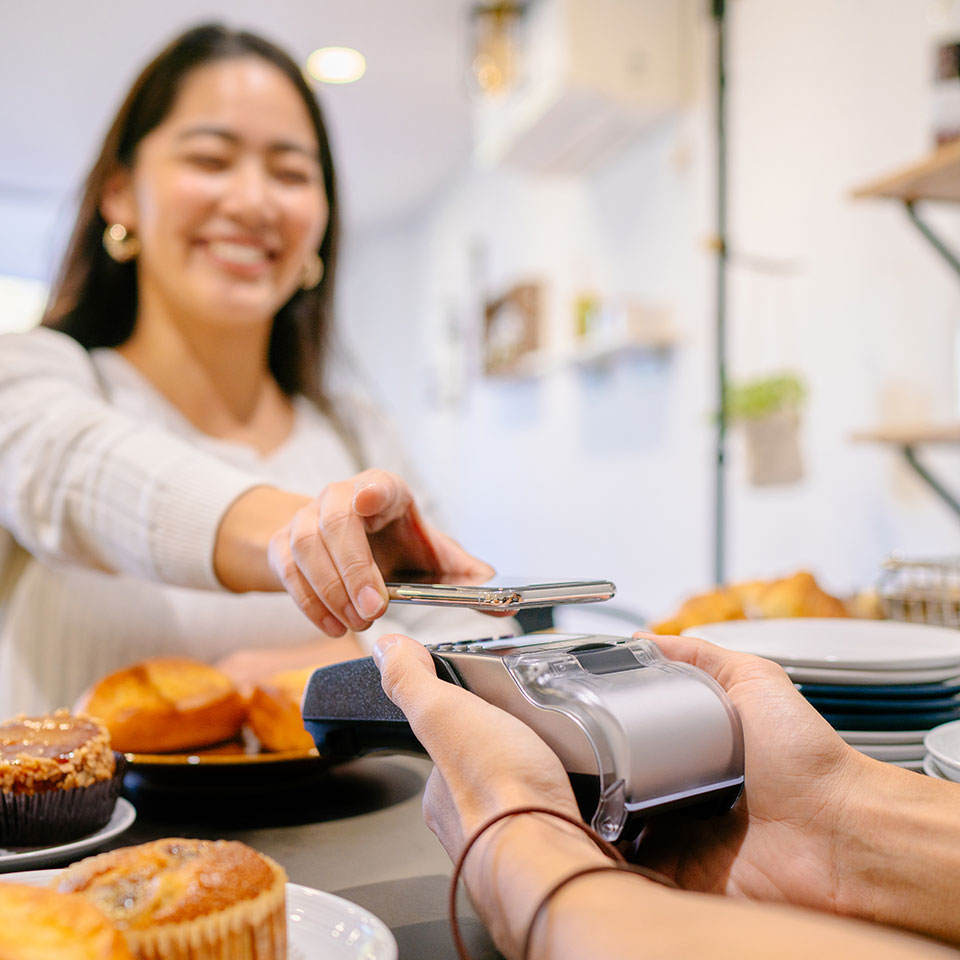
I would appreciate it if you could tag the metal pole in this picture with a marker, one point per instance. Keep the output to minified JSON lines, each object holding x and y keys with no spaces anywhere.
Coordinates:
{"x":720,"y":502}
{"x":937,"y":243}
{"x":938,"y":488}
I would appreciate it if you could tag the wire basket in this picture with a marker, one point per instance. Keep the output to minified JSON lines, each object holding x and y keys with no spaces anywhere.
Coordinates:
{"x":921,"y":591}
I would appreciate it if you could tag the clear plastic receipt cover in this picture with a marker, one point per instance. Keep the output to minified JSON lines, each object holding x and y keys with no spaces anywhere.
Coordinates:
{"x":664,"y":729}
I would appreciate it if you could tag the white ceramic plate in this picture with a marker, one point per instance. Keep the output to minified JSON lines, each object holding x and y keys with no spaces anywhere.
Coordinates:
{"x":23,"y":857}
{"x":889,"y":752}
{"x":915,"y":765}
{"x":885,"y":645}
{"x":868,"y":677}
{"x":943,"y":743}
{"x":858,"y":738}
{"x":931,"y":769}
{"x":320,"y":926}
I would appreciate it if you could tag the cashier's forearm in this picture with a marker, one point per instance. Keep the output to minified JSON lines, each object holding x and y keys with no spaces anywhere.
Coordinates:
{"x":626,"y":917}
{"x":240,"y":552}
{"x":901,"y":851}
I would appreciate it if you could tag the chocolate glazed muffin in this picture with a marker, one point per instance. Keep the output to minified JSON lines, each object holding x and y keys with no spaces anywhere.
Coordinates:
{"x":59,"y":779}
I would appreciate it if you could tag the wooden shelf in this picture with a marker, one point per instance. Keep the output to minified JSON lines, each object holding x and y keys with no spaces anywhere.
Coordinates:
{"x":909,"y":435}
{"x":586,"y":353}
{"x":596,"y":352}
{"x":936,"y":177}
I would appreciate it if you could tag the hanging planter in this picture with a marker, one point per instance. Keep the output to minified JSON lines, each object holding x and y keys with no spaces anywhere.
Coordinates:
{"x":769,"y":412}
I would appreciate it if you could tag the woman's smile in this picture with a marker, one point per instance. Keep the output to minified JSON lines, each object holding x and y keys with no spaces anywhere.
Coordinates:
{"x":242,"y":258}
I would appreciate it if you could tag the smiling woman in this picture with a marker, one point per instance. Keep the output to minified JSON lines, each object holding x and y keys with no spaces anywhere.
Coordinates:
{"x":170,"y":433}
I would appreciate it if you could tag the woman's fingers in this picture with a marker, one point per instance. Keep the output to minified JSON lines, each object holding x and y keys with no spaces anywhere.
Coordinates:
{"x":339,"y":548}
{"x":296,"y":584}
{"x":380,"y":498}
{"x":352,"y":573}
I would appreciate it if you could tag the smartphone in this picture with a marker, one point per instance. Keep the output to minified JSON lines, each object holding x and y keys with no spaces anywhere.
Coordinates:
{"x":502,"y":594}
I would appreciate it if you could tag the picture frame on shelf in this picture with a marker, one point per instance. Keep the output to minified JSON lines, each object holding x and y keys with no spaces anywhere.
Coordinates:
{"x":512,"y":335}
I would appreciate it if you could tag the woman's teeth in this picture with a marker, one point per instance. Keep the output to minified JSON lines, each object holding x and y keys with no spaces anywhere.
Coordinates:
{"x":240,"y":253}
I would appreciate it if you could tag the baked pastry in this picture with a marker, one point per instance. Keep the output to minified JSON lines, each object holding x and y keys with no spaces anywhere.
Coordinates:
{"x":179,"y":899}
{"x":59,"y":778}
{"x":40,"y":924}
{"x":275,"y":716}
{"x":795,"y":596}
{"x":705,"y":608}
{"x":166,"y":704}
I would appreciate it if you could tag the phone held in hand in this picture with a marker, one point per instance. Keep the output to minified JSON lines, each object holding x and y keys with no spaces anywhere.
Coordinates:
{"x":505,"y":594}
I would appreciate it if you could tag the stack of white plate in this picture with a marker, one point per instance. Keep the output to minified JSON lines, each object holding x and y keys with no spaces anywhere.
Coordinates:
{"x":881,"y":683}
{"x":943,"y":752}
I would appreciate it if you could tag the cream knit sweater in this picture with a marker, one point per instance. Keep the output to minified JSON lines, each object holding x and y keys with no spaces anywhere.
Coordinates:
{"x":109,"y":505}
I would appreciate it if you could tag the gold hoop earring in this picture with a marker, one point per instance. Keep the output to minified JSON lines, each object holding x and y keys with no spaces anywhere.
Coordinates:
{"x":312,"y":272}
{"x":119,"y":243}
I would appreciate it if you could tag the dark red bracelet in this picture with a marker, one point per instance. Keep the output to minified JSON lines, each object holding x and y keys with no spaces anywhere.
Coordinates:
{"x":605,"y":846}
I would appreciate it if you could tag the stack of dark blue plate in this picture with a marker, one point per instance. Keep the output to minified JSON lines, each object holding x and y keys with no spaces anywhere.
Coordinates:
{"x":882,"y":684}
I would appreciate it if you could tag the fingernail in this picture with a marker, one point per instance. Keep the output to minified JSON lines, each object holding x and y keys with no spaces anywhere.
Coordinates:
{"x":381,"y":647}
{"x":359,"y":488}
{"x":369,"y":603}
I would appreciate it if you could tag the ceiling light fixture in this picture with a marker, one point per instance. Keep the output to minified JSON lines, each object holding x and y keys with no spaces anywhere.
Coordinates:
{"x":336,"y":65}
{"x":495,"y":27}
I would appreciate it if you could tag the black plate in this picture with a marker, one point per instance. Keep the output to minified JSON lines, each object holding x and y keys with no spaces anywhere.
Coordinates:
{"x":912,"y":691}
{"x":890,"y":721}
{"x":876,"y":705}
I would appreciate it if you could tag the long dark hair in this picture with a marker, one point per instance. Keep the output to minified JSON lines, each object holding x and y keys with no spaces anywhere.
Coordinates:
{"x":94,"y":298}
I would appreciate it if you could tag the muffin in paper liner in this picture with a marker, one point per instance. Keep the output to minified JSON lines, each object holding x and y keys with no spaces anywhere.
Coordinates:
{"x":58,"y":816}
{"x":59,"y":778}
{"x":178,"y":899}
{"x":38,"y":924}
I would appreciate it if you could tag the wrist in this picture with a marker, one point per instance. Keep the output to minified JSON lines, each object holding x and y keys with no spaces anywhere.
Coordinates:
{"x":240,"y":557}
{"x":899,"y":851}
{"x":514,"y":863}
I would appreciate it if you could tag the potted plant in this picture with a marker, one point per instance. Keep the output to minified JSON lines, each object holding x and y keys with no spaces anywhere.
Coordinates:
{"x":769,"y":409}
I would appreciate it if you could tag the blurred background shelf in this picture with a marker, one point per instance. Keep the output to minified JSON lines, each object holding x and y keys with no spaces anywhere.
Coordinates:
{"x":909,"y":436}
{"x":936,"y":177}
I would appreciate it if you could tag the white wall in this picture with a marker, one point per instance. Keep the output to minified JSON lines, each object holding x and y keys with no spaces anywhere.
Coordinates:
{"x":612,"y":476}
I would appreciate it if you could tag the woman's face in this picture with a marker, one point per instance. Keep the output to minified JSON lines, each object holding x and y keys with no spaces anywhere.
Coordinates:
{"x":226,"y":196}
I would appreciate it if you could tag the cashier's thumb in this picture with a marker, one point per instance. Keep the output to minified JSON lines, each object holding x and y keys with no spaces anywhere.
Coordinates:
{"x":406,"y":670}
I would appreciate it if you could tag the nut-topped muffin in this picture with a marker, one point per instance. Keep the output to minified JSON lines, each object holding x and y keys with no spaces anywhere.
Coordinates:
{"x":58,"y":778}
{"x":178,"y":899}
{"x":38,"y":924}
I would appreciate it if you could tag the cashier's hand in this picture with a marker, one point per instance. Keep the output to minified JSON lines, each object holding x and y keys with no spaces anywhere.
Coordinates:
{"x":486,"y":760}
{"x":336,"y":552}
{"x":782,"y":841}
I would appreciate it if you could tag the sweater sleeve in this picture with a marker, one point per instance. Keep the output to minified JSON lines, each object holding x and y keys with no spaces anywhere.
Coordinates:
{"x":83,"y":482}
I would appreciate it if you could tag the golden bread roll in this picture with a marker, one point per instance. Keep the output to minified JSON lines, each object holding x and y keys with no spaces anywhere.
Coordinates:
{"x":795,"y":596}
{"x":178,"y":899}
{"x":167,"y":704}
{"x":275,"y":717}
{"x":798,"y":596}
{"x":39,"y":924}
{"x":706,"y":608}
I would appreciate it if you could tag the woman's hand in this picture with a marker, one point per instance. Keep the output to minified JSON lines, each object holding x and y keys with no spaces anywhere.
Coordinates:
{"x":487,"y":760}
{"x":332,"y":554}
{"x":784,"y":839}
